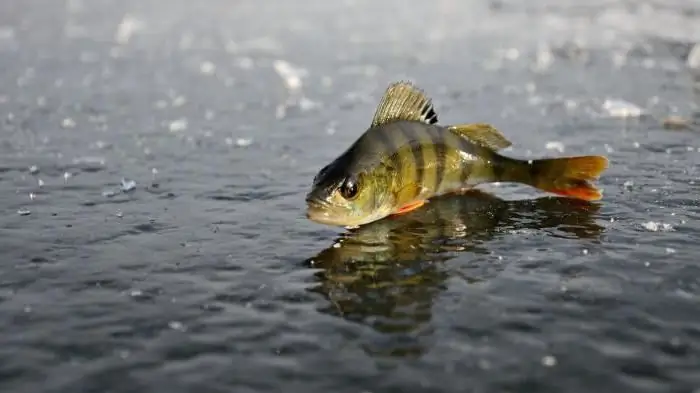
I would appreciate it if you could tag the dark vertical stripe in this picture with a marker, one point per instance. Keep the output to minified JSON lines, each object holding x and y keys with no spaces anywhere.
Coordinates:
{"x":388,"y":144}
{"x":411,"y":134}
{"x":438,"y":140}
{"x":464,"y":146}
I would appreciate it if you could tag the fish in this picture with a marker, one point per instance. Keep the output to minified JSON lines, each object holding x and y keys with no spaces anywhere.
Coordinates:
{"x":406,"y":157}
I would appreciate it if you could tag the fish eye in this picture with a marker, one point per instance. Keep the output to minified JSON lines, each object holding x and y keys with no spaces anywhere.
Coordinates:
{"x":349,"y":188}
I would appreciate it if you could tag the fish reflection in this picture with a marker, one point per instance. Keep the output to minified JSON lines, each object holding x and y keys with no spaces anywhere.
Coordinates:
{"x":385,"y":274}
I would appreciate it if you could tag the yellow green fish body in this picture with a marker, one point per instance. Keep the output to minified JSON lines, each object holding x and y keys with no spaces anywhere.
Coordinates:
{"x":405,"y":158}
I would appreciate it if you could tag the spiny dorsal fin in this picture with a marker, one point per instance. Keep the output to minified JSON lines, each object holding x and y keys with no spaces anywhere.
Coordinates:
{"x":481,"y":133}
{"x":404,"y":101}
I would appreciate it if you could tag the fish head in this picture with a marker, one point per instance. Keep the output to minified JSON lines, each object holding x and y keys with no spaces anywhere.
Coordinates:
{"x":341,"y":196}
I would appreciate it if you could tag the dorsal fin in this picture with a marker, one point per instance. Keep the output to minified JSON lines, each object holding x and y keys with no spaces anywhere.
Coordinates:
{"x":404,"y":101}
{"x":481,"y":133}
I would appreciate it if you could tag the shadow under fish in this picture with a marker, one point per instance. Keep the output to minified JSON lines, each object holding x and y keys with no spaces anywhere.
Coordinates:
{"x":387,"y":273}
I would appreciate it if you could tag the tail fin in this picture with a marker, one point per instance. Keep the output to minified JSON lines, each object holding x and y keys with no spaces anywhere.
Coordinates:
{"x":569,"y":176}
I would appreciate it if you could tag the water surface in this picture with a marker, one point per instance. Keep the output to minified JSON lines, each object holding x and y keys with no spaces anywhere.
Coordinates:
{"x":156,"y":156}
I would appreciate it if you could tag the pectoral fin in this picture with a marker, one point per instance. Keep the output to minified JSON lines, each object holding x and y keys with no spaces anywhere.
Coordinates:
{"x":409,"y":207}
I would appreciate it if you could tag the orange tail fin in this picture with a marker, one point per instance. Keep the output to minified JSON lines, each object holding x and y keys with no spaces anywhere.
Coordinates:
{"x":569,"y":176}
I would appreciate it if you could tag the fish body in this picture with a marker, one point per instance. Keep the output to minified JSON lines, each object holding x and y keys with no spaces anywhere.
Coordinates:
{"x":406,"y":158}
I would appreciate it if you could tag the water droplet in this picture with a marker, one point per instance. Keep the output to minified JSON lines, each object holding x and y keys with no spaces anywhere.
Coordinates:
{"x":126,"y":29}
{"x":207,"y":68}
{"x":549,"y":361}
{"x":33,"y":169}
{"x":68,"y":123}
{"x":24,"y":212}
{"x":176,"y":325}
{"x":178,"y":125}
{"x":657,"y":226}
{"x":555,"y":146}
{"x":135,"y":293}
{"x":243,"y":142}
{"x":620,"y":108}
{"x":290,"y":74}
{"x":127,"y":185}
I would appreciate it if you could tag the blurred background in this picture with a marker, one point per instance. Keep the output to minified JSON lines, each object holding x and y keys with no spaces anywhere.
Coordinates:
{"x":156,"y":154}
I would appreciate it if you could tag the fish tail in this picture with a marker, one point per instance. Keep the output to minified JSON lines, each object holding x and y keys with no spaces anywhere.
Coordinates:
{"x":567,"y":176}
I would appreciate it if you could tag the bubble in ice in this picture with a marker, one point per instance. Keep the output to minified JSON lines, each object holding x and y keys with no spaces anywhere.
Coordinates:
{"x":33,"y":169}
{"x":24,"y":212}
{"x":621,"y":108}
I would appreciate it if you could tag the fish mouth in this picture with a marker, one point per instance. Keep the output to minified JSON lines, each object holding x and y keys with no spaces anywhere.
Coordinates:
{"x":316,"y":208}
{"x":321,"y":212}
